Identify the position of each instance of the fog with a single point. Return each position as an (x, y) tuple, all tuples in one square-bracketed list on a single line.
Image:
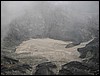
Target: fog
[(64, 20)]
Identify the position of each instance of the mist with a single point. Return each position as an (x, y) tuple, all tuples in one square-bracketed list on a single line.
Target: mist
[(55, 19)]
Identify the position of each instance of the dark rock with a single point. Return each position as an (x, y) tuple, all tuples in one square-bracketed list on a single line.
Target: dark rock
[(10, 66), (65, 72), (90, 53), (75, 64), (11, 60), (72, 45), (74, 68), (45, 69)]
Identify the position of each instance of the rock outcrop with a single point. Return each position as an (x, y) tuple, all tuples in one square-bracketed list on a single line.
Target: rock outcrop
[(72, 45), (46, 68), (90, 55), (10, 66), (74, 68), (89, 64)]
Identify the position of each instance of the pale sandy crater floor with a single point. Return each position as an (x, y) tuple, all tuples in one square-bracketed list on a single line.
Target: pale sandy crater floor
[(35, 51)]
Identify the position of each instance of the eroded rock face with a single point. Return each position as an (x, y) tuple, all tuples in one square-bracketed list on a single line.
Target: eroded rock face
[(74, 68), (90, 55), (46, 68), (10, 66), (92, 47), (90, 63)]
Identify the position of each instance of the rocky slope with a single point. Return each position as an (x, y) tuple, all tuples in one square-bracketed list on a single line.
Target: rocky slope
[(50, 57), (89, 64), (11, 66)]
